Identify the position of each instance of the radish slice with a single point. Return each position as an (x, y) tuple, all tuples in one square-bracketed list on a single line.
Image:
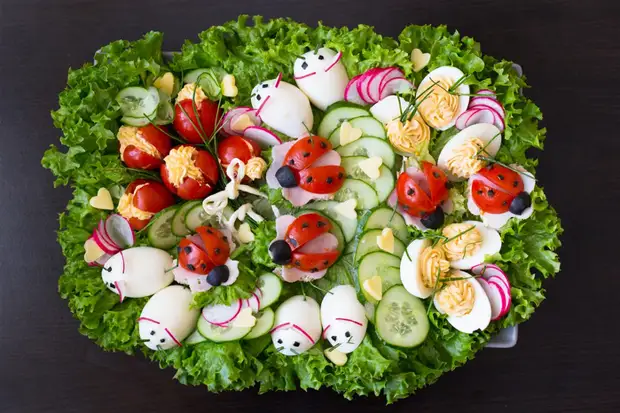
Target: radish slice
[(393, 73), (492, 103), (253, 302), (498, 121), (488, 93), (461, 121), (228, 128), (326, 242), (102, 233), (102, 260), (362, 83), (496, 298), (228, 117), (350, 92), (396, 85), (480, 116), (263, 137), (117, 228), (220, 314), (504, 296), (105, 247), (493, 273), (373, 87)]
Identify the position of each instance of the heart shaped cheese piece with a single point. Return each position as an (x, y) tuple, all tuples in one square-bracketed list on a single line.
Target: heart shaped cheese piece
[(335, 356), (371, 166), (92, 252), (419, 59), (229, 86), (347, 208), (241, 123), (103, 200), (348, 133), (245, 234), (165, 83), (385, 241), (245, 319), (374, 287)]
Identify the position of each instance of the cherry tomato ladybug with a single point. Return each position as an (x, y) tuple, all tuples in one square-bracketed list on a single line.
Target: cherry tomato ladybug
[(136, 157), (215, 244), (204, 252), (143, 197), (323, 179), (314, 262), (495, 187), (437, 182), (189, 172), (193, 258), (236, 147), (305, 151), (186, 122), (306, 228), (414, 196)]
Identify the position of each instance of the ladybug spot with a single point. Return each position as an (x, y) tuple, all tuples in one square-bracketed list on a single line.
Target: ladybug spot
[(305, 225), (178, 250), (326, 262), (504, 203), (323, 145), (306, 154), (405, 208), (321, 224), (491, 193), (500, 177), (340, 175), (308, 179), (330, 179), (304, 65), (224, 238), (515, 184), (291, 162), (297, 263), (188, 249), (203, 265), (191, 267), (436, 174), (314, 270), (410, 191), (310, 141), (217, 251), (209, 231), (479, 192)]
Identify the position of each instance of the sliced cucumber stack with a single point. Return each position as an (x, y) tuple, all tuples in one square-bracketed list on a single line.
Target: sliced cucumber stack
[(401, 318), (368, 243), (386, 266), (359, 190), (138, 105), (220, 334), (383, 185), (271, 287), (369, 126), (178, 221), (264, 323), (384, 217), (370, 147), (336, 114), (348, 225), (197, 216), (336, 230), (160, 230)]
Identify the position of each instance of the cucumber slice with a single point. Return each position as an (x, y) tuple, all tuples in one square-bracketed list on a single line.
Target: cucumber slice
[(271, 287), (192, 76), (195, 338), (137, 102), (348, 225), (264, 323), (197, 216), (365, 195), (336, 230), (388, 218), (221, 334), (165, 110), (370, 127), (160, 231), (368, 244), (383, 185), (336, 114), (380, 263), (370, 147), (178, 221), (401, 318)]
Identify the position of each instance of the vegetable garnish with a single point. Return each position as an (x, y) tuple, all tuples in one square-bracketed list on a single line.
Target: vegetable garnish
[(433, 329)]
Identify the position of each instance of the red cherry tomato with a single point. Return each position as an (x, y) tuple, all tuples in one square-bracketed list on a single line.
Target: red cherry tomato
[(136, 158), (326, 179), (437, 182), (191, 188), (305, 151), (216, 245), (236, 147), (314, 262), (412, 197), (185, 121), (503, 178), (306, 228), (151, 196), (193, 258), (490, 199)]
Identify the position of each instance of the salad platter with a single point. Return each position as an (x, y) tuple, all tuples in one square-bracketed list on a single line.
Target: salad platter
[(286, 207)]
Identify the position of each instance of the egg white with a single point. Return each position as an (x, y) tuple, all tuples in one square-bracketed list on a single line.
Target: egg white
[(491, 244), (497, 221), (410, 273), (483, 131), (453, 74), (480, 315)]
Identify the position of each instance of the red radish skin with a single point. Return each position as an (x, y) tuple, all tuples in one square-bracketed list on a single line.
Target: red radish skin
[(487, 93), (369, 75), (120, 293), (492, 103), (148, 319), (503, 296), (263, 137), (359, 85), (462, 119), (338, 57), (119, 230), (105, 247), (103, 235), (350, 321), (302, 331), (279, 326), (498, 121), (373, 87), (483, 115), (177, 342), (278, 80), (496, 298), (350, 92), (396, 85), (262, 105), (227, 318), (304, 76), (393, 73)]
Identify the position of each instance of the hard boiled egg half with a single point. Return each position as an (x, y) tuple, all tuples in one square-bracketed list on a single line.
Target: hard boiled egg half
[(420, 266), (464, 301), (468, 243), (459, 157), (438, 106)]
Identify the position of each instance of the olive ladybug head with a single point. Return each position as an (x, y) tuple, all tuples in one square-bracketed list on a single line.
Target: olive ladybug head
[(286, 177), (280, 252), (434, 220), (521, 202), (218, 275)]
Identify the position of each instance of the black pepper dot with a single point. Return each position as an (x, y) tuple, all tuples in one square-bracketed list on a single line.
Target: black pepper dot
[(264, 85), (330, 179), (203, 265), (304, 65), (217, 251), (334, 338), (321, 224), (296, 344), (209, 231), (321, 57), (152, 332), (279, 341), (347, 334), (257, 97), (479, 192), (491, 193), (308, 179), (323, 145), (515, 184), (297, 263), (112, 286), (163, 340), (188, 250), (305, 225), (436, 174), (500, 177), (306, 154), (410, 191), (310, 141), (191, 267), (314, 270), (340, 175), (504, 203), (326, 262)]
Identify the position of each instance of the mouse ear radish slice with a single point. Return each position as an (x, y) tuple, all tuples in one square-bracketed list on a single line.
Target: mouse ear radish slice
[(350, 92), (263, 137), (117, 228)]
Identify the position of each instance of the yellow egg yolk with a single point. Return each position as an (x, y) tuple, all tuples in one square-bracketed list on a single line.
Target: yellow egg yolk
[(130, 135), (464, 162), (440, 107), (180, 164), (456, 298), (464, 240), (255, 167), (411, 137), (433, 264), (127, 209)]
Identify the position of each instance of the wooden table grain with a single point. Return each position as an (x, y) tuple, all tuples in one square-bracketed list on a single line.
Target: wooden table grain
[(567, 358)]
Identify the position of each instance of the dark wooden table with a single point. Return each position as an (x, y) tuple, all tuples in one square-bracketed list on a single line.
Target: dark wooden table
[(568, 356)]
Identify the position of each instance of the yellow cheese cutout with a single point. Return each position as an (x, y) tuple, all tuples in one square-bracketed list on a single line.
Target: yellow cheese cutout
[(335, 356), (419, 59), (245, 234), (103, 200), (385, 241), (348, 133), (347, 208), (165, 83), (241, 122), (371, 166), (92, 251), (229, 86), (374, 287), (245, 319)]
